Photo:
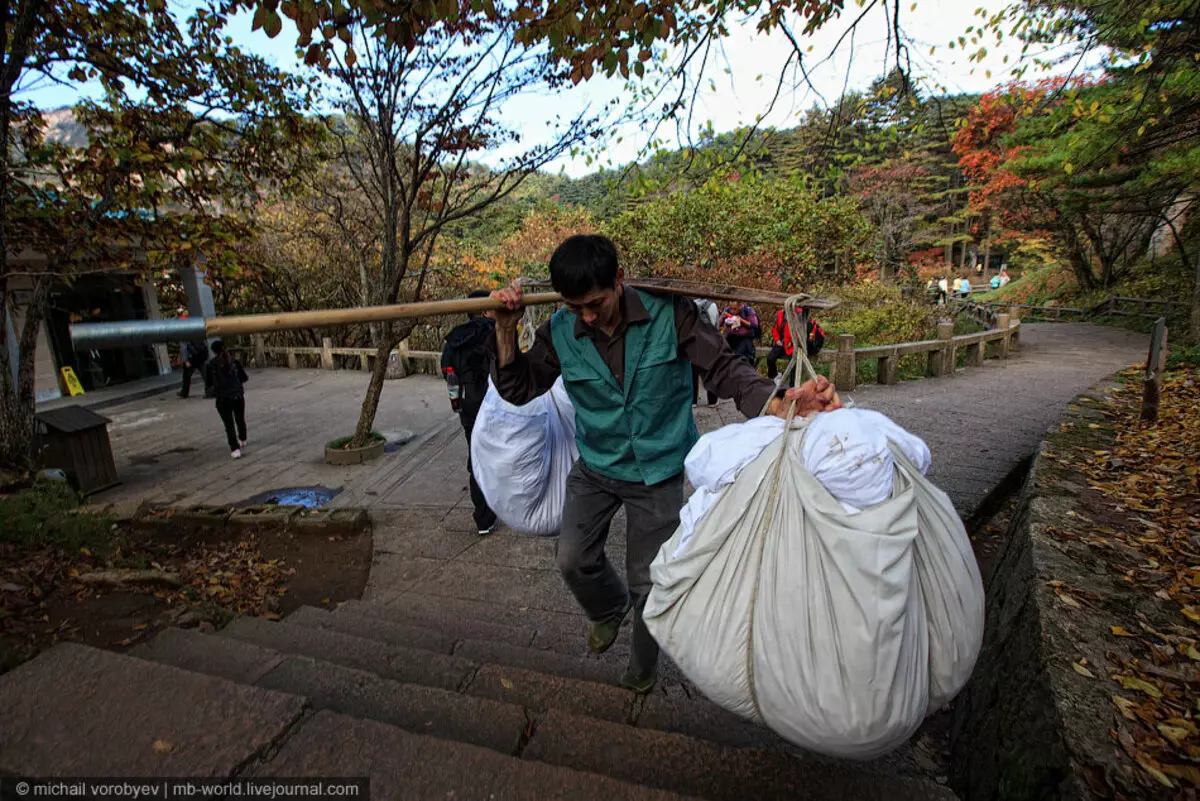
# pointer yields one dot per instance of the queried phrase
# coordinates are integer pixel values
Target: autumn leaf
(162, 747)
(1192, 613)
(1125, 706)
(1120, 632)
(505, 683)
(1150, 767)
(1175, 734)
(1134, 683)
(1082, 671)
(1188, 773)
(1068, 600)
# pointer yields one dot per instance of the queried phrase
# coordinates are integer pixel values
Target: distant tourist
(228, 380)
(709, 314)
(781, 336)
(466, 365)
(739, 324)
(195, 355)
(943, 290)
(1004, 279)
(995, 282)
(964, 287)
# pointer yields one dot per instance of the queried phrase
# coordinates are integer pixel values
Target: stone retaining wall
(1029, 727)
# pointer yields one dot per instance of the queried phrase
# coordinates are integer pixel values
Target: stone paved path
(979, 424)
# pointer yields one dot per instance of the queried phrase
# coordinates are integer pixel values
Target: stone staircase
(431, 700)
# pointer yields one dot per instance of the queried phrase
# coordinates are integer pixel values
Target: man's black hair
(218, 347)
(582, 263)
(478, 293)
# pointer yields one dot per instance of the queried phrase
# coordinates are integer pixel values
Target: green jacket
(640, 432)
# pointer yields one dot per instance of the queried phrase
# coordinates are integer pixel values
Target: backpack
(468, 350)
(816, 338)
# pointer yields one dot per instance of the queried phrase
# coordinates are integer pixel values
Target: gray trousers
(652, 514)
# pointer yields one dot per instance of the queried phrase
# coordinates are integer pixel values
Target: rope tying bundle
(799, 358)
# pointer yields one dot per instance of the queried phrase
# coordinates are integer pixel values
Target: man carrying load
(626, 359)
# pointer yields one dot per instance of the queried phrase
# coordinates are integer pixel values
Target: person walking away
(943, 290)
(625, 357)
(783, 348)
(195, 355)
(708, 314)
(739, 323)
(467, 356)
(228, 379)
(1004, 279)
(995, 282)
(964, 287)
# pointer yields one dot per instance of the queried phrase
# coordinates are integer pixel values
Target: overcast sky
(738, 93)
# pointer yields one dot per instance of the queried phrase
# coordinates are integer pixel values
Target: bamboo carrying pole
(85, 336)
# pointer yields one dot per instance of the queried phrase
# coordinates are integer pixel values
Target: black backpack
(469, 351)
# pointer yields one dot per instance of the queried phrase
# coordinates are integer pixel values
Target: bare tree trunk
(366, 417)
(18, 403)
(1195, 322)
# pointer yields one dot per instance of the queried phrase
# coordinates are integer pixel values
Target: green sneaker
(639, 684)
(604, 634)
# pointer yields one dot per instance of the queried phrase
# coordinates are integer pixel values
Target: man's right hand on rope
(814, 395)
(513, 298)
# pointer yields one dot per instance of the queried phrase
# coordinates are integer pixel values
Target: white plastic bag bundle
(839, 622)
(521, 455)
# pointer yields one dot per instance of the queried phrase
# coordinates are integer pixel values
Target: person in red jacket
(781, 336)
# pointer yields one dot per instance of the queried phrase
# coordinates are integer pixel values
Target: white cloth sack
(846, 450)
(521, 455)
(840, 630)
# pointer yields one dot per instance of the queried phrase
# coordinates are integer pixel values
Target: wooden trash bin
(75, 440)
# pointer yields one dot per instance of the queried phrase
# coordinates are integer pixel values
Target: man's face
(600, 308)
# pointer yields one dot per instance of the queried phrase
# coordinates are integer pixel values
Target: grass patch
(46, 514)
(342, 443)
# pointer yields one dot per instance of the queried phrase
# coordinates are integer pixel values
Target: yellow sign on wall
(72, 383)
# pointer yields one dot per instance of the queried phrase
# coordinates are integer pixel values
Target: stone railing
(985, 311)
(942, 354)
(408, 361)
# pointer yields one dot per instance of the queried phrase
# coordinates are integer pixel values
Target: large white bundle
(837, 622)
(521, 455)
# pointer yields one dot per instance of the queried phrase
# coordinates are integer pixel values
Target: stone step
(434, 610)
(568, 724)
(541, 630)
(460, 626)
(696, 767)
(492, 723)
(397, 635)
(675, 706)
(425, 638)
(409, 665)
(412, 767)
(80, 711)
(543, 680)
